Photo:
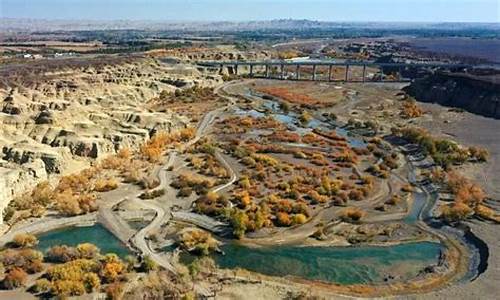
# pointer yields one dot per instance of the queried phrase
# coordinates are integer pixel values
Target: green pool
(351, 265)
(72, 236)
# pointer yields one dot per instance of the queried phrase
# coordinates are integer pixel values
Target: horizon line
(246, 21)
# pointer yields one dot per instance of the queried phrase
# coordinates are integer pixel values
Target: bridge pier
(280, 67)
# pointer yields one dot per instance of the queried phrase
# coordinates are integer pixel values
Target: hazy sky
(234, 10)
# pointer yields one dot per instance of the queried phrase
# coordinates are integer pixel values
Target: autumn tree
(299, 219)
(15, 278)
(105, 185)
(24, 240)
(112, 268)
(42, 285)
(283, 219)
(62, 254)
(66, 288)
(91, 282)
(456, 212)
(87, 250)
(242, 199)
(148, 264)
(352, 214)
(239, 220)
(115, 290)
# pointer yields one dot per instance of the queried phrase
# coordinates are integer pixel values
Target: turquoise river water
(72, 236)
(343, 265)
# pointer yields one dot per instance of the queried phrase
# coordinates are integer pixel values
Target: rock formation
(58, 115)
(479, 94)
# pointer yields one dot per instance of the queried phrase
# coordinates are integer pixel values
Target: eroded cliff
(479, 94)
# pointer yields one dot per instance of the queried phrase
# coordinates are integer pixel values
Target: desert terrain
(153, 167)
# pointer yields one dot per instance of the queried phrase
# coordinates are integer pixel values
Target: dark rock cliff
(479, 94)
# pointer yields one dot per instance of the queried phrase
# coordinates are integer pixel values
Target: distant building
(32, 56)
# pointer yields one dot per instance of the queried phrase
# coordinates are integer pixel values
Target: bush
(356, 195)
(24, 240)
(456, 212)
(283, 219)
(114, 291)
(299, 219)
(245, 183)
(62, 254)
(105, 185)
(65, 288)
(411, 110)
(485, 212)
(42, 194)
(15, 278)
(42, 285)
(87, 251)
(479, 154)
(242, 199)
(292, 97)
(198, 241)
(70, 204)
(317, 198)
(27, 259)
(352, 214)
(187, 133)
(239, 220)
(124, 153)
(112, 268)
(185, 192)
(148, 264)
(91, 282)
(153, 194)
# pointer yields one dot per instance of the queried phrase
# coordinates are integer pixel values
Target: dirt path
(111, 220)
(163, 214)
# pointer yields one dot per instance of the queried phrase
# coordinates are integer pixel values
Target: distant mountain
(30, 25)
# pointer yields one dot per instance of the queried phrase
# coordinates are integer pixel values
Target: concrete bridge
(324, 69)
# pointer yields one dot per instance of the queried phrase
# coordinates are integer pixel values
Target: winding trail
(111, 221)
(139, 240)
(163, 215)
(228, 167)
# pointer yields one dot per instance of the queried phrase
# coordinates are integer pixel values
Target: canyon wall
(56, 116)
(478, 94)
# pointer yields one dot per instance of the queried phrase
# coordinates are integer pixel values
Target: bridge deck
(326, 63)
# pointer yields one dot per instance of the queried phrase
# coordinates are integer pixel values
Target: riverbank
(47, 224)
(468, 128)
